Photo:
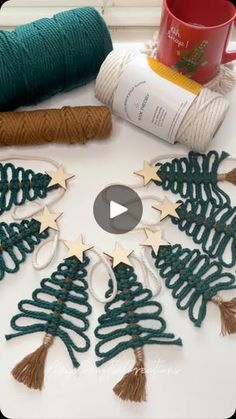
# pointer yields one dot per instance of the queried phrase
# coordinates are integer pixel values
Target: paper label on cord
(154, 97)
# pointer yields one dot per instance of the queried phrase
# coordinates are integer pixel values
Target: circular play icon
(118, 209)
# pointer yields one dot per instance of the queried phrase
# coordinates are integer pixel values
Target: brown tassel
(228, 314)
(132, 387)
(228, 177)
(30, 371)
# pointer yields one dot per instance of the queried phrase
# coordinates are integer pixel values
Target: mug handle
(229, 56)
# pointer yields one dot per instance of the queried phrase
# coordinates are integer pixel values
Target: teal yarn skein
(49, 56)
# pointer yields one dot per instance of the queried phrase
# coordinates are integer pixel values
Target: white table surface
(196, 381)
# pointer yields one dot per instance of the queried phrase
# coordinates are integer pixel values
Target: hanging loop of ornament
(50, 255)
(102, 262)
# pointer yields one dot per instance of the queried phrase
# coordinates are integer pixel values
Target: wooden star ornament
(168, 208)
(47, 220)
(149, 173)
(59, 177)
(154, 240)
(119, 255)
(77, 248)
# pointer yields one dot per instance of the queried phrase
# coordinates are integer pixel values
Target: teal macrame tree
(196, 177)
(17, 240)
(194, 281)
(54, 317)
(18, 185)
(127, 318)
(213, 228)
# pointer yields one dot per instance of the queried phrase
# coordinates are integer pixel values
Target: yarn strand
(66, 125)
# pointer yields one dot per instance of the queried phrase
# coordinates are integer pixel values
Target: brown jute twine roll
(67, 125)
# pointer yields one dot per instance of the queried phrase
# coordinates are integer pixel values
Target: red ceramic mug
(194, 36)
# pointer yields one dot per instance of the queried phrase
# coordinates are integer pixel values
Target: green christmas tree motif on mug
(190, 61)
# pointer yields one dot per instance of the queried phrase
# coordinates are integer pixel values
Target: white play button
(116, 209)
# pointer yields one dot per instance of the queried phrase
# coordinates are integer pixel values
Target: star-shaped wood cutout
(47, 220)
(149, 173)
(154, 240)
(59, 177)
(77, 248)
(119, 255)
(167, 208)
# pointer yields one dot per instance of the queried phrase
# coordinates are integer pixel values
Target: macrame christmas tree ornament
(211, 227)
(194, 281)
(17, 240)
(18, 185)
(196, 177)
(126, 315)
(53, 317)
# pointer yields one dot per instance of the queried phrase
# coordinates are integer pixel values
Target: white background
(196, 381)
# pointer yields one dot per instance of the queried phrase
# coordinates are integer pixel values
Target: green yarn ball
(49, 56)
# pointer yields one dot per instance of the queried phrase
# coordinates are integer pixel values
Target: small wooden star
(167, 208)
(149, 173)
(154, 240)
(77, 248)
(47, 220)
(59, 177)
(119, 255)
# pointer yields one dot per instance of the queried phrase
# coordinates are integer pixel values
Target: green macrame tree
(190, 60)
(213, 228)
(67, 285)
(17, 240)
(127, 317)
(18, 185)
(194, 281)
(196, 177)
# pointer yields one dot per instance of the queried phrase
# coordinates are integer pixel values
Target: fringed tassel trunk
(132, 387)
(228, 314)
(228, 177)
(30, 371)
